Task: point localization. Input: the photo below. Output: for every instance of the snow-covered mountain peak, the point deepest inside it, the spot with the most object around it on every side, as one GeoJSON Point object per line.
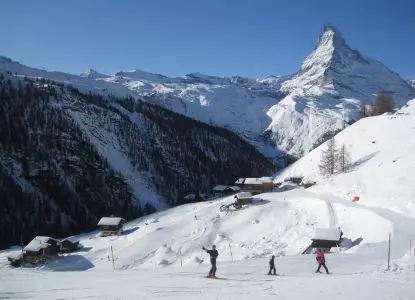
{"type": "Point", "coordinates": [331, 56]}
{"type": "Point", "coordinates": [331, 36]}
{"type": "Point", "coordinates": [326, 92]}
{"type": "Point", "coordinates": [336, 68]}
{"type": "Point", "coordinates": [91, 73]}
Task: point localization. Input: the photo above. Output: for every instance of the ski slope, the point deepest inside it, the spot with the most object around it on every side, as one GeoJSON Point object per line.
{"type": "Point", "coordinates": [160, 256]}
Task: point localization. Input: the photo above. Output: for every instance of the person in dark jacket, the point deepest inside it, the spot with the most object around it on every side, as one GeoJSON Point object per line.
{"type": "Point", "coordinates": [321, 260]}
{"type": "Point", "coordinates": [213, 256]}
{"type": "Point", "coordinates": [272, 266]}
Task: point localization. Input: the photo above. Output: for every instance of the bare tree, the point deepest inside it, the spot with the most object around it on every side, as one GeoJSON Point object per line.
{"type": "Point", "coordinates": [343, 159]}
{"type": "Point", "coordinates": [328, 160]}
{"type": "Point", "coordinates": [383, 103]}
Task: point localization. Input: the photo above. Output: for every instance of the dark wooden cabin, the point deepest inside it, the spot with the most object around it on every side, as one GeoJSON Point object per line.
{"type": "Point", "coordinates": [255, 185]}
{"type": "Point", "coordinates": [70, 244]}
{"type": "Point", "coordinates": [224, 190]}
{"type": "Point", "coordinates": [326, 238]}
{"type": "Point", "coordinates": [40, 249]}
{"type": "Point", "coordinates": [111, 225]}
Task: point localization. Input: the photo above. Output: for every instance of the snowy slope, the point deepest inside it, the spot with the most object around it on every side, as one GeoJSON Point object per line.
{"type": "Point", "coordinates": [160, 256]}
{"type": "Point", "coordinates": [381, 174]}
{"type": "Point", "coordinates": [236, 103]}
{"type": "Point", "coordinates": [281, 224]}
{"type": "Point", "coordinates": [333, 80]}
{"type": "Point", "coordinates": [99, 127]}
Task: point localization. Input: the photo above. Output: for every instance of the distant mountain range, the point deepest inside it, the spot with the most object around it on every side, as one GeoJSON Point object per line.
{"type": "Point", "coordinates": [276, 114]}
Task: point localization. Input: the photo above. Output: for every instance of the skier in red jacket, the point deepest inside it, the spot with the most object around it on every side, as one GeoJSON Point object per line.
{"type": "Point", "coordinates": [321, 261]}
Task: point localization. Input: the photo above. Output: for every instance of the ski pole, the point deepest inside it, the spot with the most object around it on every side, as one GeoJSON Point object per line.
{"type": "Point", "coordinates": [230, 249]}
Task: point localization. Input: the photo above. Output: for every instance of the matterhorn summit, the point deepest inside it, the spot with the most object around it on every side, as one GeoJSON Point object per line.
{"type": "Point", "coordinates": [324, 95]}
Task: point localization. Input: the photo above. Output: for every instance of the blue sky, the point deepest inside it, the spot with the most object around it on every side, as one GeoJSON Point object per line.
{"type": "Point", "coordinates": [217, 37]}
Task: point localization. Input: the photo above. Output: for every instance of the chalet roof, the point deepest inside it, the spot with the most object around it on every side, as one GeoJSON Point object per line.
{"type": "Point", "coordinates": [253, 181]}
{"type": "Point", "coordinates": [220, 188]}
{"type": "Point", "coordinates": [38, 243]}
{"type": "Point", "coordinates": [327, 234]}
{"type": "Point", "coordinates": [244, 195]}
{"type": "Point", "coordinates": [234, 188]}
{"type": "Point", "coordinates": [110, 221]}
{"type": "Point", "coordinates": [266, 179]}
{"type": "Point", "coordinates": [240, 181]}
{"type": "Point", "coordinates": [71, 239]}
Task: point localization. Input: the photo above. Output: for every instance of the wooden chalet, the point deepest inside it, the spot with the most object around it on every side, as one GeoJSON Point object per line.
{"type": "Point", "coordinates": [255, 185]}
{"type": "Point", "coordinates": [326, 238]}
{"type": "Point", "coordinates": [242, 198]}
{"type": "Point", "coordinates": [267, 183]}
{"type": "Point", "coordinates": [295, 179]}
{"type": "Point", "coordinates": [70, 244]}
{"type": "Point", "coordinates": [40, 249]}
{"type": "Point", "coordinates": [111, 225]}
{"type": "Point", "coordinates": [225, 190]}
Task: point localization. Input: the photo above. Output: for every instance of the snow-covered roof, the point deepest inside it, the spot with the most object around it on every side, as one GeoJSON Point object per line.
{"type": "Point", "coordinates": [327, 234]}
{"type": "Point", "coordinates": [240, 181]}
{"type": "Point", "coordinates": [220, 188]}
{"type": "Point", "coordinates": [266, 179]}
{"type": "Point", "coordinates": [39, 242]}
{"type": "Point", "coordinates": [71, 239]}
{"type": "Point", "coordinates": [244, 195]}
{"type": "Point", "coordinates": [109, 221]}
{"type": "Point", "coordinates": [253, 181]}
{"type": "Point", "coordinates": [234, 188]}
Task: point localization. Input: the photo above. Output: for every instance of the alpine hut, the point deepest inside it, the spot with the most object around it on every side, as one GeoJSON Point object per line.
{"type": "Point", "coordinates": [40, 249]}
{"type": "Point", "coordinates": [69, 244]}
{"type": "Point", "coordinates": [111, 225]}
{"type": "Point", "coordinates": [326, 238]}
{"type": "Point", "coordinates": [255, 185]}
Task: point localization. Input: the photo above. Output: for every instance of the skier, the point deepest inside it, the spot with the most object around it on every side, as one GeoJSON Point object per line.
{"type": "Point", "coordinates": [213, 256]}
{"type": "Point", "coordinates": [272, 266]}
{"type": "Point", "coordinates": [321, 261]}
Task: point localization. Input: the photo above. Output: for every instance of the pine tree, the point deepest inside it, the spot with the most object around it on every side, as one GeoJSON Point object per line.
{"type": "Point", "coordinates": [343, 159]}
{"type": "Point", "coordinates": [328, 160]}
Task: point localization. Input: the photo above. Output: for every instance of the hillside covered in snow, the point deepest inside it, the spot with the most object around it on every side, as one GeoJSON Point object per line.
{"type": "Point", "coordinates": [381, 162]}
{"type": "Point", "coordinates": [68, 158]}
{"type": "Point", "coordinates": [160, 256]}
